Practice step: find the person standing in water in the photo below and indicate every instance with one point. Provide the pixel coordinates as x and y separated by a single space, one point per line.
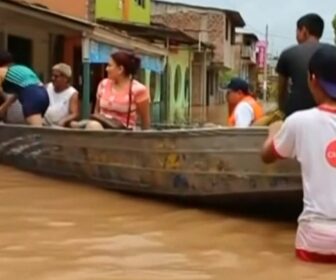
310 137
22 83
292 67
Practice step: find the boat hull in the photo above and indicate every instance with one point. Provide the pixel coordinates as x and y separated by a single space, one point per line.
199 163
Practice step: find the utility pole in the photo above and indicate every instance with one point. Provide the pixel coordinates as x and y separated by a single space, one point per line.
265 65
86 75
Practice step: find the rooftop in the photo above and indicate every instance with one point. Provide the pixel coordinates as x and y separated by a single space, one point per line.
235 16
153 31
248 35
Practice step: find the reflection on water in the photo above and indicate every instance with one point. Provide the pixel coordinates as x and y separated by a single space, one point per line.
58 230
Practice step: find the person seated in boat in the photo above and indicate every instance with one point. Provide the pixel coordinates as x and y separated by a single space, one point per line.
309 136
21 83
120 98
243 108
64 99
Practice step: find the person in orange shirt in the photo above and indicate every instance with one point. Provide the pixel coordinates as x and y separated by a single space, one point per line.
243 108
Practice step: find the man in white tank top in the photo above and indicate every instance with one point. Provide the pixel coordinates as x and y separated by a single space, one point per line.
309 136
64 100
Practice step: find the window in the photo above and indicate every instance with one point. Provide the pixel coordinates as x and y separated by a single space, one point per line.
177 85
227 28
140 3
22 49
233 35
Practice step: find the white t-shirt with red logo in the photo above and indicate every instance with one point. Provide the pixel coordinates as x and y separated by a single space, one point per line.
310 137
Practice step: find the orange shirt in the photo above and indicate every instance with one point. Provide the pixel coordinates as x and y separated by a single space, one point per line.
258 111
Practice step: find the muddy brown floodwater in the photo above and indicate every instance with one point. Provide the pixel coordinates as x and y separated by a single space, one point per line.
51 230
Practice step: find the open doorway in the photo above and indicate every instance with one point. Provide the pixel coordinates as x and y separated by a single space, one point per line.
21 49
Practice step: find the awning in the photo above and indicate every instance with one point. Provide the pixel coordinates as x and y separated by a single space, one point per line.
101 53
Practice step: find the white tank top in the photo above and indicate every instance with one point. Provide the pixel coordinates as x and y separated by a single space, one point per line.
59 104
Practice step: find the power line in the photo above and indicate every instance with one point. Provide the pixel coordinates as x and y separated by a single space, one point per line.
279 36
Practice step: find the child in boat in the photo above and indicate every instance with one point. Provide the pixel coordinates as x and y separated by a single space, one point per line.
20 82
242 106
120 98
310 137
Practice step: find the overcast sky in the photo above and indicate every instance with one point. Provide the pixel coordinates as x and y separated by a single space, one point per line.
280 15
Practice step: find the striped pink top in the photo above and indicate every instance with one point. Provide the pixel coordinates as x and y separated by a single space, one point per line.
114 104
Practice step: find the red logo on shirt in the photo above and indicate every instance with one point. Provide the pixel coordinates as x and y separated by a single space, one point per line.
331 153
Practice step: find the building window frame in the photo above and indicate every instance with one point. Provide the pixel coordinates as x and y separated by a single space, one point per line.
141 3
227 25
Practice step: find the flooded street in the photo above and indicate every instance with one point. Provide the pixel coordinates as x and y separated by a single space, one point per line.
52 230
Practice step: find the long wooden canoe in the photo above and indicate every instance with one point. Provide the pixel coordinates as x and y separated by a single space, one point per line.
195 163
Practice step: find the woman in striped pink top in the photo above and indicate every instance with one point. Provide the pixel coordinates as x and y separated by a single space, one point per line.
120 98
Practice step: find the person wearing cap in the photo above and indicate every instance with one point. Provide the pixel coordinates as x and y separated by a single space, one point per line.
309 136
243 108
64 99
21 83
292 66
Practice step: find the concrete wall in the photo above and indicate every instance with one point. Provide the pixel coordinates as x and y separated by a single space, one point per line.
170 98
228 46
40 46
42 38
138 13
178 101
112 9
77 8
128 10
245 62
109 9
209 26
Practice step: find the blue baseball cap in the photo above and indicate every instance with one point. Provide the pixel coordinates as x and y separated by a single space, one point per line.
323 65
238 84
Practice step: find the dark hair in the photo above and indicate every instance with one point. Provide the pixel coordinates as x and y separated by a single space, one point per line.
6 58
313 23
129 61
323 65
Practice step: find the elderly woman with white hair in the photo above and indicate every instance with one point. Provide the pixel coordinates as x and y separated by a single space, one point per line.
63 98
